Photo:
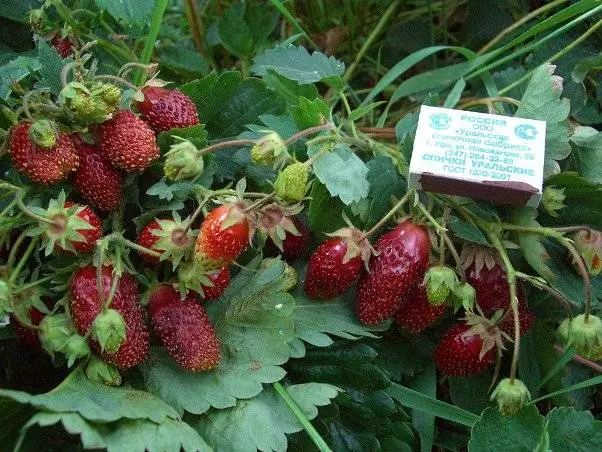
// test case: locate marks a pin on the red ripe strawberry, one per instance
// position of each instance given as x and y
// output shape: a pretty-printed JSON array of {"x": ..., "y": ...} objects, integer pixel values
[
  {"x": 328, "y": 274},
  {"x": 295, "y": 246},
  {"x": 62, "y": 45},
  {"x": 459, "y": 353},
  {"x": 43, "y": 165},
  {"x": 27, "y": 336},
  {"x": 90, "y": 235},
  {"x": 218, "y": 246},
  {"x": 165, "y": 109},
  {"x": 416, "y": 313},
  {"x": 148, "y": 239},
  {"x": 184, "y": 329},
  {"x": 402, "y": 259},
  {"x": 86, "y": 305},
  {"x": 220, "y": 280},
  {"x": 525, "y": 319},
  {"x": 96, "y": 179},
  {"x": 127, "y": 141},
  {"x": 491, "y": 287}
]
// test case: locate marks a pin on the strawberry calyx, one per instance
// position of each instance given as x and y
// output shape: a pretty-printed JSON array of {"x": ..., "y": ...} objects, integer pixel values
[
  {"x": 57, "y": 334},
  {"x": 270, "y": 149},
  {"x": 584, "y": 334},
  {"x": 275, "y": 222},
  {"x": 492, "y": 336},
  {"x": 194, "y": 276},
  {"x": 102, "y": 372},
  {"x": 174, "y": 239},
  {"x": 60, "y": 225},
  {"x": 357, "y": 244},
  {"x": 481, "y": 256},
  {"x": 43, "y": 133}
]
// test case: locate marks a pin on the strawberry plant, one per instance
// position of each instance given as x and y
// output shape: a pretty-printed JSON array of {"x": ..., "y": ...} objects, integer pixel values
[{"x": 210, "y": 238}]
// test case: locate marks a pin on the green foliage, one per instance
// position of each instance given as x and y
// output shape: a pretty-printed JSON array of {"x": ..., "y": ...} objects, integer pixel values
[
  {"x": 263, "y": 421},
  {"x": 297, "y": 64},
  {"x": 542, "y": 101},
  {"x": 341, "y": 171},
  {"x": 135, "y": 13}
]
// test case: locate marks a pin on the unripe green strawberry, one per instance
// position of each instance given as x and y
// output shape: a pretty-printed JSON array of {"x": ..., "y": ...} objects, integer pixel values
[
  {"x": 183, "y": 161},
  {"x": 268, "y": 149},
  {"x": 589, "y": 244},
  {"x": 291, "y": 182},
  {"x": 511, "y": 396},
  {"x": 109, "y": 330},
  {"x": 584, "y": 335},
  {"x": 57, "y": 335},
  {"x": 463, "y": 296},
  {"x": 552, "y": 200},
  {"x": 90, "y": 103},
  {"x": 440, "y": 281}
]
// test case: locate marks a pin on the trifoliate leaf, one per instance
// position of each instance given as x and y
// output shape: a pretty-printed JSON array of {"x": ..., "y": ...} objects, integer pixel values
[
  {"x": 296, "y": 63},
  {"x": 542, "y": 101},
  {"x": 51, "y": 67},
  {"x": 96, "y": 402},
  {"x": 263, "y": 421},
  {"x": 343, "y": 173},
  {"x": 253, "y": 321},
  {"x": 310, "y": 113}
]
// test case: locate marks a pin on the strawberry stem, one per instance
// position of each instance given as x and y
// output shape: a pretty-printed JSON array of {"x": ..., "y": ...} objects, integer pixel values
[
  {"x": 225, "y": 144},
  {"x": 511, "y": 276},
  {"x": 389, "y": 214},
  {"x": 307, "y": 425},
  {"x": 15, "y": 274},
  {"x": 348, "y": 110},
  {"x": 13, "y": 251},
  {"x": 28, "y": 212},
  {"x": 260, "y": 202},
  {"x": 149, "y": 42},
  {"x": 557, "y": 234},
  {"x": 310, "y": 131},
  {"x": 542, "y": 284},
  {"x": 442, "y": 244}
]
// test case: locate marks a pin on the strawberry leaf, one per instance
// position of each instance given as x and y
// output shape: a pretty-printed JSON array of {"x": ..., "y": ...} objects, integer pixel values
[
  {"x": 263, "y": 421},
  {"x": 542, "y": 101},
  {"x": 135, "y": 13},
  {"x": 531, "y": 245},
  {"x": 297, "y": 64},
  {"x": 96, "y": 402},
  {"x": 125, "y": 435},
  {"x": 343, "y": 173}
]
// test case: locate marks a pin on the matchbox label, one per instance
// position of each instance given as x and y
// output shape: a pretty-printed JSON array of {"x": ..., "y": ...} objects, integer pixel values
[{"x": 479, "y": 147}]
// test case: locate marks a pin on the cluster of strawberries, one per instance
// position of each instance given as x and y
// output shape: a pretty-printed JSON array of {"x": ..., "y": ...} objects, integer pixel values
[
  {"x": 393, "y": 285},
  {"x": 115, "y": 142}
]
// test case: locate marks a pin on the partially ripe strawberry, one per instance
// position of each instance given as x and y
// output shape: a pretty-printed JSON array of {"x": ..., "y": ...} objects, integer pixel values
[
  {"x": 44, "y": 165},
  {"x": 165, "y": 109},
  {"x": 63, "y": 46},
  {"x": 223, "y": 237},
  {"x": 416, "y": 313},
  {"x": 184, "y": 329},
  {"x": 127, "y": 141},
  {"x": 220, "y": 280},
  {"x": 86, "y": 306},
  {"x": 491, "y": 287},
  {"x": 295, "y": 246},
  {"x": 165, "y": 236},
  {"x": 329, "y": 274},
  {"x": 96, "y": 179},
  {"x": 458, "y": 353},
  {"x": 401, "y": 260}
]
